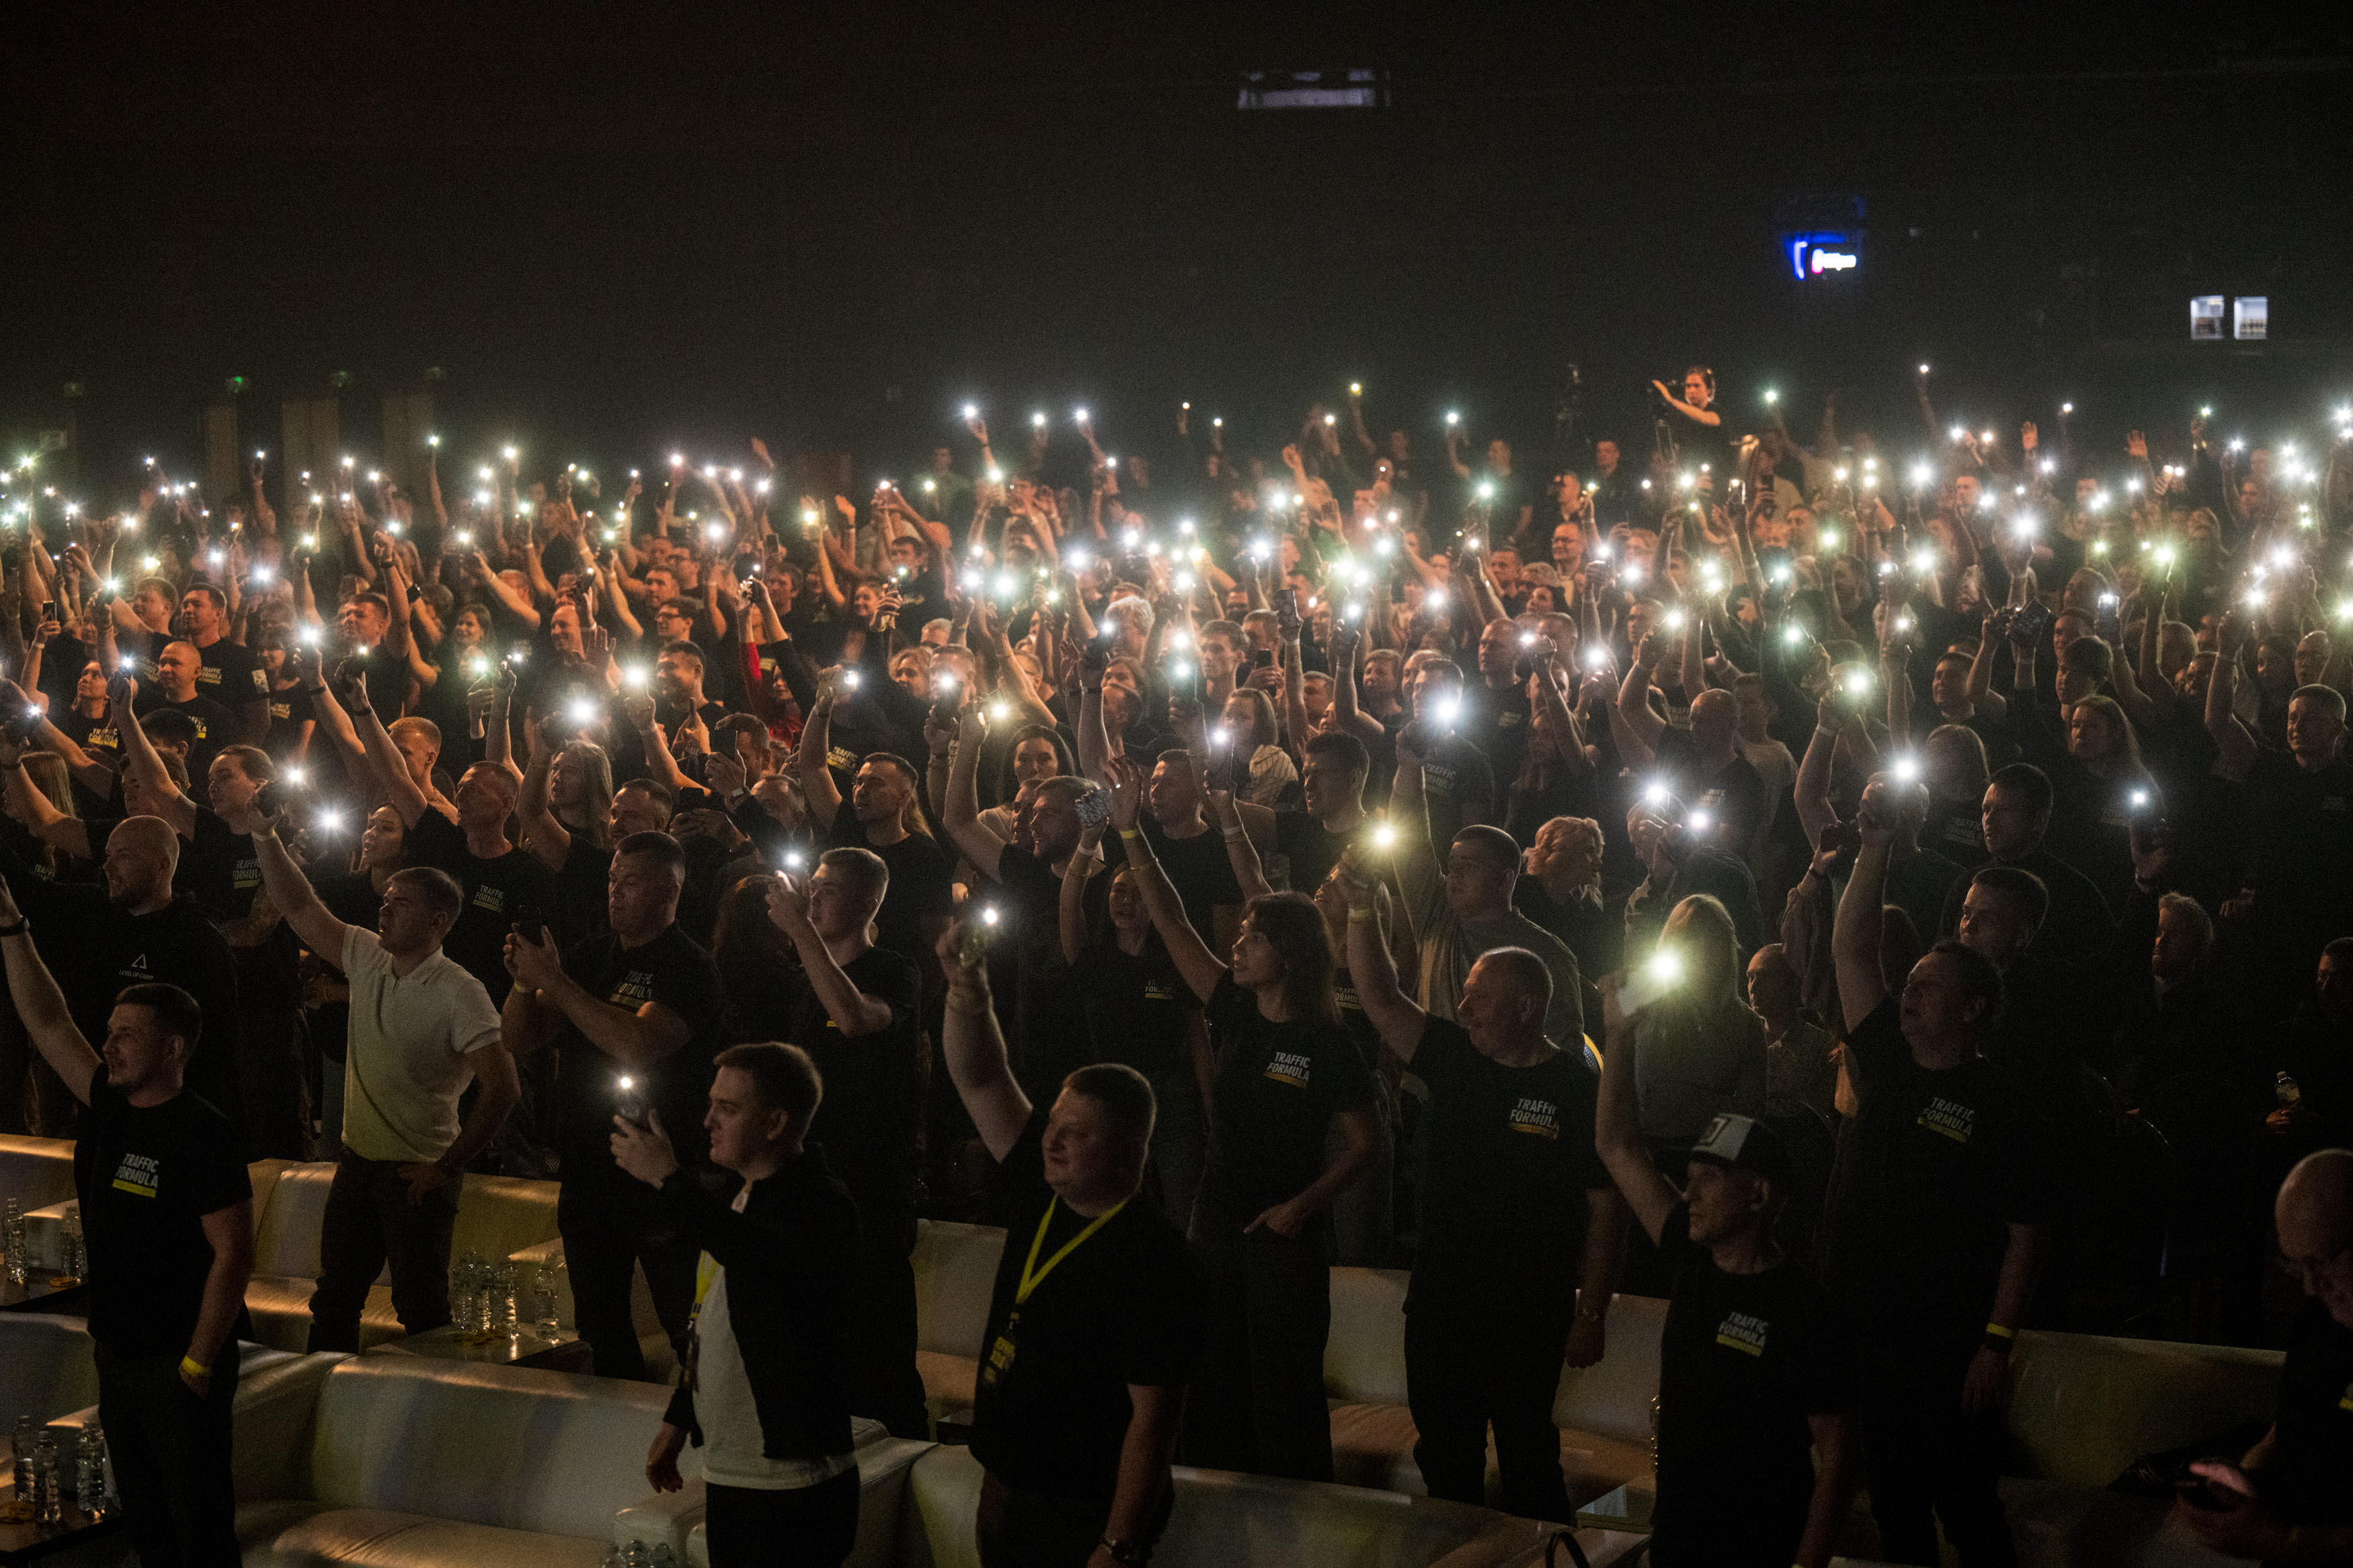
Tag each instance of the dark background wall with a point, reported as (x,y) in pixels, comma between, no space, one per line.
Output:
(630,227)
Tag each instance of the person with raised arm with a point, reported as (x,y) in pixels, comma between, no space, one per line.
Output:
(1094,1328)
(167,1213)
(859,1017)
(421,1030)
(1757,1435)
(1286,1071)
(1937,1239)
(1521,1235)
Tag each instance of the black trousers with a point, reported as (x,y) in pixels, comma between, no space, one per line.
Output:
(883,1381)
(369,1221)
(810,1527)
(608,1228)
(170,1452)
(1259,1404)
(1463,1373)
(1925,1460)
(1030,1529)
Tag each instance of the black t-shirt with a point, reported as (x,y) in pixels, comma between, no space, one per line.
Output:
(1458,785)
(496,889)
(1498,723)
(870,1119)
(1734,793)
(1136,1004)
(1945,1163)
(220,867)
(2303,846)
(2308,1479)
(1050,1010)
(290,708)
(1312,848)
(1278,1087)
(1123,1308)
(231,675)
(922,877)
(1509,1159)
(147,1177)
(216,727)
(1744,1359)
(670,970)
(1202,873)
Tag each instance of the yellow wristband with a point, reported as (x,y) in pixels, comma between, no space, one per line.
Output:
(1131,833)
(188,1365)
(1999,1333)
(1358,917)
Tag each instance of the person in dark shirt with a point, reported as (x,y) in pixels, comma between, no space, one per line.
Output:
(1286,1071)
(2286,1500)
(167,1212)
(2299,805)
(633,1013)
(1938,1238)
(1521,1235)
(886,815)
(177,691)
(228,672)
(771,1398)
(1095,1324)
(1457,780)
(857,1020)
(1756,1374)
(2017,814)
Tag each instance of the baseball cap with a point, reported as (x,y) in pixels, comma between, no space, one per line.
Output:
(1744,1144)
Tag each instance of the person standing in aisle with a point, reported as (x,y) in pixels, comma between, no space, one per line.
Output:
(167,1212)
(1286,1071)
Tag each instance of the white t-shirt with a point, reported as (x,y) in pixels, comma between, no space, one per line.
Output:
(406,1062)
(734,1450)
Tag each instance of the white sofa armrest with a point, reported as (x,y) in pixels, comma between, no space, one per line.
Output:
(663,1519)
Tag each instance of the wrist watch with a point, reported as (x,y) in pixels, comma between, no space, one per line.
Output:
(1124,1552)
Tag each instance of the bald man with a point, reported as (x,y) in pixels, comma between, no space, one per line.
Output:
(2290,1498)
(136,930)
(178,668)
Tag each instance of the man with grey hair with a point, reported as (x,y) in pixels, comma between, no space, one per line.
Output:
(421,1030)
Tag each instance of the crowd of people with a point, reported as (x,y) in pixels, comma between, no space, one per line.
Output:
(1879,902)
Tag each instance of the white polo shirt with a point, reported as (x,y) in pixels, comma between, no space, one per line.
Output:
(406,1062)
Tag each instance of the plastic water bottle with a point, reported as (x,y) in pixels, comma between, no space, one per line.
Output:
(90,1474)
(634,1555)
(466,1293)
(48,1501)
(15,1241)
(503,1306)
(28,1433)
(663,1556)
(546,1302)
(77,1257)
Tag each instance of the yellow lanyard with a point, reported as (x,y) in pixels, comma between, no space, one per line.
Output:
(1032,1275)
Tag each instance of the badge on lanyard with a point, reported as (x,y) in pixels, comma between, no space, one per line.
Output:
(1000,1354)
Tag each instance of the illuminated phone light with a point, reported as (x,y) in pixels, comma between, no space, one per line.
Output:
(2165,555)
(584,711)
(1838,474)
(1887,568)
(1079,415)
(1527,640)
(1674,620)
(849,679)
(1697,821)
(1330,419)
(1958,435)
(2099,547)
(1907,769)
(1450,709)
(1655,794)
(1384,835)
(1830,538)
(1218,736)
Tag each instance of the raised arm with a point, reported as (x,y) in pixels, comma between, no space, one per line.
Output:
(975,1048)
(1373,972)
(1194,961)
(2230,738)
(1811,794)
(1855,935)
(817,745)
(40,1005)
(139,758)
(1072,907)
(638,1037)
(1618,1123)
(850,1010)
(543,834)
(962,806)
(289,890)
(1643,728)
(1239,851)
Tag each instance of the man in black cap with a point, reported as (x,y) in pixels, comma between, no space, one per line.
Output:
(1755,1376)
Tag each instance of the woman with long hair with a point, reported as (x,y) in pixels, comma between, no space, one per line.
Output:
(2102,787)
(566,807)
(1699,1050)
(759,969)
(1286,1071)
(1271,778)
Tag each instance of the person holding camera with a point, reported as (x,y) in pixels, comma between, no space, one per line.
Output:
(769,1396)
(633,1013)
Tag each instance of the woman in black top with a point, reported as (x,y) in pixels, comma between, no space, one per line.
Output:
(566,807)
(1286,1069)
(759,970)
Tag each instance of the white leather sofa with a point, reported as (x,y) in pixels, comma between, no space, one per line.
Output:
(955,1273)
(883,1463)
(431,1463)
(1603,1411)
(497,1216)
(1221,1518)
